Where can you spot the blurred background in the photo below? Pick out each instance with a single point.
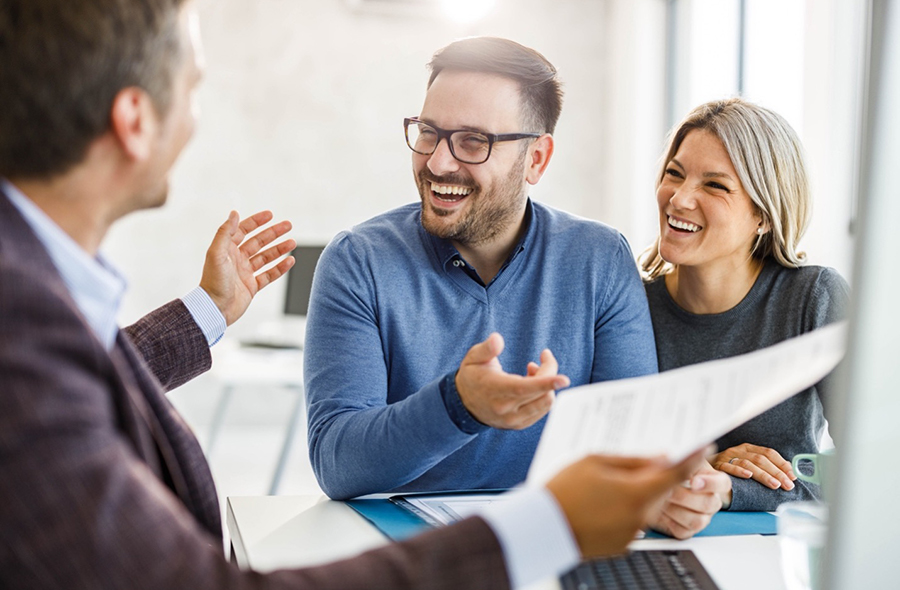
(301, 113)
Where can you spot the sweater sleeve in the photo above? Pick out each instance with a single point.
(358, 443)
(623, 334)
(828, 303)
(748, 495)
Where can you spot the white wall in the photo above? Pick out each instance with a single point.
(832, 117)
(303, 101)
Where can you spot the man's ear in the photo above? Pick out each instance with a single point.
(539, 153)
(134, 122)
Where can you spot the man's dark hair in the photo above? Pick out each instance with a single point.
(62, 62)
(539, 86)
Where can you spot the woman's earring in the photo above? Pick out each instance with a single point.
(759, 230)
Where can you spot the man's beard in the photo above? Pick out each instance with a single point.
(485, 217)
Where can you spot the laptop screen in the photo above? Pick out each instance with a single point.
(299, 279)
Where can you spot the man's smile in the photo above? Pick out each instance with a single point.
(450, 193)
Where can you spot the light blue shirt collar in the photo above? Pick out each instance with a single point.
(94, 284)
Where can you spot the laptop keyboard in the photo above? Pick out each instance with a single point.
(641, 570)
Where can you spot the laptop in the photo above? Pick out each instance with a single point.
(288, 331)
(655, 569)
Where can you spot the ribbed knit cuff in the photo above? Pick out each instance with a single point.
(456, 409)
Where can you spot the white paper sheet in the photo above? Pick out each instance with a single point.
(679, 411)
(452, 507)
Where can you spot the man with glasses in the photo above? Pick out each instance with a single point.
(428, 351)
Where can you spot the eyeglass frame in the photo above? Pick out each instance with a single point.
(447, 133)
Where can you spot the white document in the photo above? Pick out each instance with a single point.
(438, 510)
(677, 412)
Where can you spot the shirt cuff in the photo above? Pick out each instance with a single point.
(206, 314)
(455, 408)
(535, 537)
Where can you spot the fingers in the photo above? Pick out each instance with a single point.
(485, 351)
(228, 229)
(251, 224)
(680, 522)
(763, 464)
(691, 505)
(265, 278)
(504, 400)
(766, 473)
(271, 254)
(548, 366)
(783, 465)
(704, 501)
(519, 390)
(715, 482)
(731, 467)
(529, 413)
(254, 244)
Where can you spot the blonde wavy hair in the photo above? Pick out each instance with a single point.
(768, 157)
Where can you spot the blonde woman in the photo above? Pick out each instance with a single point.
(725, 277)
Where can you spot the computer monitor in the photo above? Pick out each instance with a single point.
(863, 548)
(299, 279)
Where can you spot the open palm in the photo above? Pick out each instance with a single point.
(231, 273)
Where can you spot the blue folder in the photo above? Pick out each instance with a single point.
(398, 524)
(724, 524)
(395, 522)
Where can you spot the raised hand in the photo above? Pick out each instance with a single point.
(503, 400)
(231, 274)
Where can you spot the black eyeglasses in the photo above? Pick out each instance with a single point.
(467, 146)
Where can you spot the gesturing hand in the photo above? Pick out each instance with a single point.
(763, 464)
(502, 400)
(233, 260)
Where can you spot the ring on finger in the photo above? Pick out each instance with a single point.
(732, 460)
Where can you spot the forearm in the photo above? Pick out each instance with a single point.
(748, 495)
(171, 343)
(358, 450)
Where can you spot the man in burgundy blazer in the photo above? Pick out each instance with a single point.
(102, 485)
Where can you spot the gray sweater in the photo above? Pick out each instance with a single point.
(783, 303)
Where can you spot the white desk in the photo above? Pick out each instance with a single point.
(273, 532)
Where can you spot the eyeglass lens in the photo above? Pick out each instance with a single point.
(467, 146)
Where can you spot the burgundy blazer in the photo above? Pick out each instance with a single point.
(102, 485)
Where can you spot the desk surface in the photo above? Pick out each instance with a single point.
(273, 532)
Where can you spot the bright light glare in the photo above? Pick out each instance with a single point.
(466, 11)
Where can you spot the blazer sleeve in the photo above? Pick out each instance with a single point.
(80, 510)
(172, 344)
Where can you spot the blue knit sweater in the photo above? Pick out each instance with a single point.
(393, 310)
